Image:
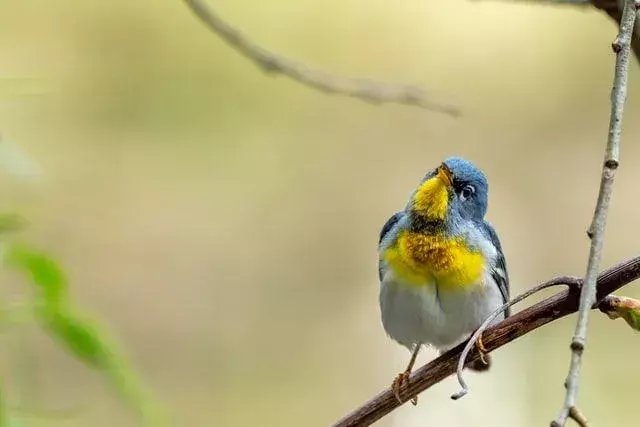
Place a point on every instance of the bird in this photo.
(441, 266)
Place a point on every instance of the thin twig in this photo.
(578, 417)
(572, 282)
(612, 8)
(270, 62)
(596, 230)
(515, 326)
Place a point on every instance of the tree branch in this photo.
(272, 63)
(611, 8)
(515, 326)
(596, 230)
(572, 282)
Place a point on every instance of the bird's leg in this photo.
(404, 377)
(482, 350)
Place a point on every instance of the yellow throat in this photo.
(432, 198)
(420, 259)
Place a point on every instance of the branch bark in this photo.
(596, 231)
(521, 323)
(272, 63)
(571, 282)
(611, 8)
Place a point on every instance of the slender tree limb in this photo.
(272, 63)
(515, 326)
(572, 282)
(596, 230)
(578, 417)
(611, 8)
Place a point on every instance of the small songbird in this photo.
(441, 266)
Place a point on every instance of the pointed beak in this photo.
(445, 175)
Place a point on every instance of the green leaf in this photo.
(83, 339)
(44, 271)
(77, 335)
(624, 307)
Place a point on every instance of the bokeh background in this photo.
(224, 223)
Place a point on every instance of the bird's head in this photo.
(455, 189)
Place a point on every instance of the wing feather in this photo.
(499, 271)
(386, 228)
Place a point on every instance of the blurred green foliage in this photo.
(81, 337)
(43, 272)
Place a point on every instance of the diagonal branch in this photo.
(270, 62)
(544, 312)
(596, 231)
(572, 282)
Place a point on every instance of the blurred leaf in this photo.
(624, 307)
(11, 222)
(16, 162)
(85, 341)
(76, 334)
(44, 272)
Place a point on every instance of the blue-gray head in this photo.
(456, 187)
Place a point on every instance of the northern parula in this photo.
(441, 266)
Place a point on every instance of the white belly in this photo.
(421, 314)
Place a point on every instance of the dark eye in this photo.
(467, 192)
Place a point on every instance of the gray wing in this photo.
(386, 228)
(389, 225)
(499, 272)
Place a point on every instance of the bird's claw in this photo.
(482, 350)
(397, 384)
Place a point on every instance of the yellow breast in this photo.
(418, 259)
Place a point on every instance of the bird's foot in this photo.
(398, 382)
(482, 350)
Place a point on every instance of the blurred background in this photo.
(224, 224)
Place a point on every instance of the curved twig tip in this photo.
(461, 393)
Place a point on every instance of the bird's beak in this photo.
(445, 175)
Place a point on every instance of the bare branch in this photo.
(568, 281)
(515, 326)
(612, 8)
(596, 230)
(578, 417)
(270, 62)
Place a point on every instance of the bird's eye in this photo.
(467, 192)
